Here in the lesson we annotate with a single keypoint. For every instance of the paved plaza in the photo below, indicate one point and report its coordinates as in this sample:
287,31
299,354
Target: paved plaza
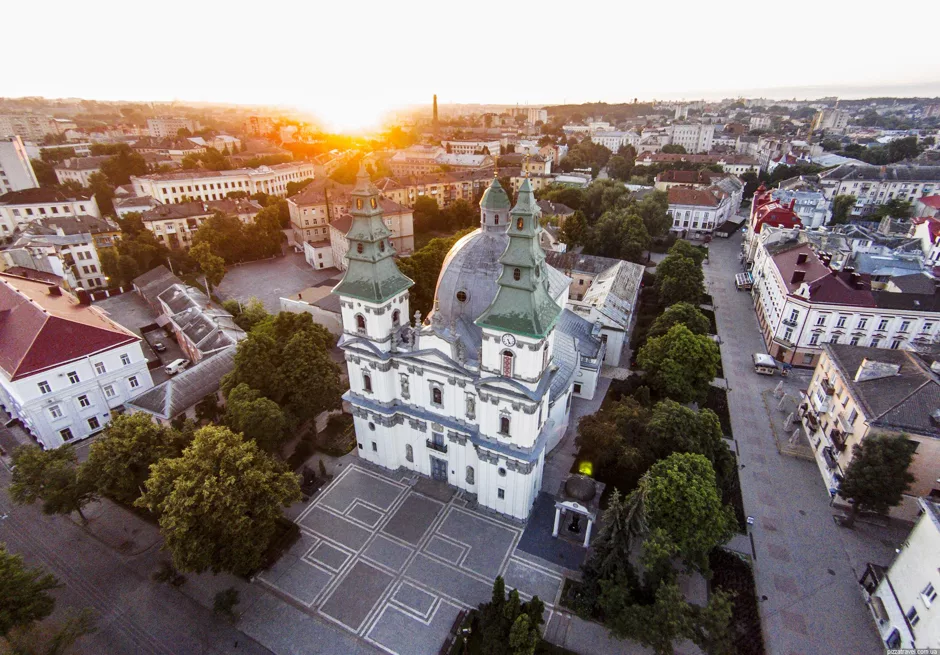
271,279
395,566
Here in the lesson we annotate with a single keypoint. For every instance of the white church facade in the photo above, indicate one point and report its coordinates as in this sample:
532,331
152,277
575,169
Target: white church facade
480,390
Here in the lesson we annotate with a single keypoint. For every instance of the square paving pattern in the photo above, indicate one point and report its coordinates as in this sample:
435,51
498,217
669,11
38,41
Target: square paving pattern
394,566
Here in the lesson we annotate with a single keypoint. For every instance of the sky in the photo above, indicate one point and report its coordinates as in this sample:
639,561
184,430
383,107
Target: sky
350,61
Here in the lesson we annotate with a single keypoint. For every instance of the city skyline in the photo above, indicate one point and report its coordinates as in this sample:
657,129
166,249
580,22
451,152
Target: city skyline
351,75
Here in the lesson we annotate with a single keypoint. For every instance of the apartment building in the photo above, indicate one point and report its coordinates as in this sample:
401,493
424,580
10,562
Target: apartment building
184,186
445,188
858,391
79,169
903,597
423,160
20,207
614,140
472,147
64,365
733,164
802,304
876,185
831,120
760,123
176,224
29,127
694,137
16,171
163,127
696,212
813,208
397,218
314,208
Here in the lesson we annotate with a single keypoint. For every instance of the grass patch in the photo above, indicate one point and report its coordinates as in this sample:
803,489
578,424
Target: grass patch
712,325
733,574
338,438
285,534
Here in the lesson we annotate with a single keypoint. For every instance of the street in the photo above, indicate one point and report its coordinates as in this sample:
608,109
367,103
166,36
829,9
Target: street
806,567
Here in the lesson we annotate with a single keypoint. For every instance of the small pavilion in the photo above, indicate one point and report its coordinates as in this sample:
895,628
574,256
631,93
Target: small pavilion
579,495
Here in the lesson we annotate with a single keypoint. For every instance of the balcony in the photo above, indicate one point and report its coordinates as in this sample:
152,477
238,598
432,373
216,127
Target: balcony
820,406
439,447
837,437
830,458
789,321
827,386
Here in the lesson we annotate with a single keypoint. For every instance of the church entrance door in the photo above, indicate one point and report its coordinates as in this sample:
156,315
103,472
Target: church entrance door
439,469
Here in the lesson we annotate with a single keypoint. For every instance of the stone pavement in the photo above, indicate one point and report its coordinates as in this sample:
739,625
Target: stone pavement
806,568
271,279
393,566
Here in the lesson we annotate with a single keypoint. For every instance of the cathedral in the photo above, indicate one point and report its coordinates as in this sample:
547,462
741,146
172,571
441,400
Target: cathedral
479,391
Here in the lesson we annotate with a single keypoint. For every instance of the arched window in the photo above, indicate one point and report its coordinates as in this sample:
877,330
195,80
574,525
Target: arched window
359,248
382,245
367,382
507,363
504,425
437,396
396,317
516,274
519,223
409,453
497,219
471,476
360,323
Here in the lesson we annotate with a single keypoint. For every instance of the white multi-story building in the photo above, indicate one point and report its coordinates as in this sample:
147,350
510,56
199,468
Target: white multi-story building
67,246
472,147
68,367
802,304
16,171
79,169
184,186
161,128
876,185
476,394
614,140
29,127
20,207
760,123
694,137
696,212
813,208
832,120
903,598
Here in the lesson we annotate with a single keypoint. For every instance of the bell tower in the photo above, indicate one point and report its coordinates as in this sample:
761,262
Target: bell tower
373,292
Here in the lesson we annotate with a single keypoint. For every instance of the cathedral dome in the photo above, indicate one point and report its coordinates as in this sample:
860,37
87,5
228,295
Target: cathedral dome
467,283
495,197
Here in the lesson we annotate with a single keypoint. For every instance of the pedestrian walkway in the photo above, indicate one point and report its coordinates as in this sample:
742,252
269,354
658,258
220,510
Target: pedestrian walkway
806,568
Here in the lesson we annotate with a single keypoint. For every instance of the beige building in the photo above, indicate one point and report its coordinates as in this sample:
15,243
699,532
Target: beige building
856,391
176,224
199,184
314,208
79,169
445,188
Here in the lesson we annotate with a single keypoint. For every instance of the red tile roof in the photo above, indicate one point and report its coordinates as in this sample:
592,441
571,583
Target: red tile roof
39,331
931,201
825,285
679,195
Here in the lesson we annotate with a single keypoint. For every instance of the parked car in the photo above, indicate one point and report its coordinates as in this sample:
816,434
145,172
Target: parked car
764,364
176,366
159,346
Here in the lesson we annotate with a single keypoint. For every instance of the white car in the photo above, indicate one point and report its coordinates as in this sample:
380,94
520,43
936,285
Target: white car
176,366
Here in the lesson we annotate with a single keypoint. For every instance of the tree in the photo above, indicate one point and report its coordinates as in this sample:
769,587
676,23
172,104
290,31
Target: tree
605,437
45,173
119,462
574,229
509,626
522,638
680,313
895,208
219,501
652,209
426,214
256,417
54,639
24,593
679,279
673,149
619,168
878,475
247,315
286,358
841,207
295,187
104,193
620,235
680,364
211,265
685,249
122,165
682,503
51,477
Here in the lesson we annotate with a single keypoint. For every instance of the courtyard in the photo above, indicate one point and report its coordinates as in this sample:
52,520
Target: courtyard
272,279
393,558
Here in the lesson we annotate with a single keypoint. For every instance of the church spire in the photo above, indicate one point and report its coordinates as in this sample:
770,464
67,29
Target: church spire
371,272
522,304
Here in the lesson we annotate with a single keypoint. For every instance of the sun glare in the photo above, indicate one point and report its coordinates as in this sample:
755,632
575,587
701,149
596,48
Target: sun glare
347,115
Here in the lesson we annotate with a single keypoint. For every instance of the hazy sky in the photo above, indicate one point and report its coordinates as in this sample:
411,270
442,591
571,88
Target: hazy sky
349,60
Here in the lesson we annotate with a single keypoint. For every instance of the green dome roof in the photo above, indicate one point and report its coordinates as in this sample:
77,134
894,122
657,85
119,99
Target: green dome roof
495,197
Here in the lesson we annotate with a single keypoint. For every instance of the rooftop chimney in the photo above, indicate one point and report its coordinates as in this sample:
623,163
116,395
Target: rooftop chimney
801,258
54,290
84,298
798,277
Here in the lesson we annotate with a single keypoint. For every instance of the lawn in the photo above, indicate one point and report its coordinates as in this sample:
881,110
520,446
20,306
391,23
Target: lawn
732,574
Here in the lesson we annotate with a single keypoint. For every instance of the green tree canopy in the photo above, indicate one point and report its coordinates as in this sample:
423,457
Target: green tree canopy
427,214
247,315
218,503
877,475
119,461
680,364
682,248
652,209
508,626
24,592
682,502
212,266
286,358
574,230
673,149
51,477
841,209
124,163
620,235
679,279
683,313
256,417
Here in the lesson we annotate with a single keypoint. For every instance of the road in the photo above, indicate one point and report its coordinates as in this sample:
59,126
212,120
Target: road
135,615
806,568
